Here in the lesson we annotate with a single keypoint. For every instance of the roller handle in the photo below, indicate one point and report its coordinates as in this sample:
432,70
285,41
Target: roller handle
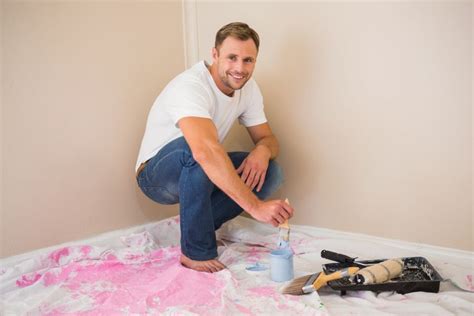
338,257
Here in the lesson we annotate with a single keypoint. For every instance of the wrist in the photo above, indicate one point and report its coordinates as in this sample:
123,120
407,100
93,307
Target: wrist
265,150
253,205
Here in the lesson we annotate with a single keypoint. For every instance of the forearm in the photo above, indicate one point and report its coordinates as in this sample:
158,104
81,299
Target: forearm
217,165
270,143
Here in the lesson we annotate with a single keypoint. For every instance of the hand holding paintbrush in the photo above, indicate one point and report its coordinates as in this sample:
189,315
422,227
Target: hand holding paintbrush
284,233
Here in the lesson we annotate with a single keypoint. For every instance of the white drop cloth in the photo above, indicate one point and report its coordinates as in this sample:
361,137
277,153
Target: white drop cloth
136,271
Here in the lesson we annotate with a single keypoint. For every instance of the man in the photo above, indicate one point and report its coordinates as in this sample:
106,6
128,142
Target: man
182,160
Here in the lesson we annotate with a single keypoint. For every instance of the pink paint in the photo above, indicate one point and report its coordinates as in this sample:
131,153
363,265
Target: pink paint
243,309
153,285
85,250
469,282
110,257
56,255
263,291
256,253
27,280
58,275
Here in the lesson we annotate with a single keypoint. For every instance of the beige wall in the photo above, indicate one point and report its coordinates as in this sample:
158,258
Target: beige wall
78,81
1,133
372,103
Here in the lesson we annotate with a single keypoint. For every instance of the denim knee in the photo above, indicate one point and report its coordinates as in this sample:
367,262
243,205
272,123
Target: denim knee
273,180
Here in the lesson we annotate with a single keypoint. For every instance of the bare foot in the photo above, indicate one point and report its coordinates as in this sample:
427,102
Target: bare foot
202,266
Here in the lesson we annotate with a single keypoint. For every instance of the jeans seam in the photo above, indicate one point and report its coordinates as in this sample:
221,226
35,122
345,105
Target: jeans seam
184,248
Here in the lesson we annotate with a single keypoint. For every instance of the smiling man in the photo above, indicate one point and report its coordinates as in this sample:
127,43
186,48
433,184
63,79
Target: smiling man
182,159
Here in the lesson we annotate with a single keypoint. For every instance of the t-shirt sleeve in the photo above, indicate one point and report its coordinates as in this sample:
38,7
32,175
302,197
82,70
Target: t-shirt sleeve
254,112
187,100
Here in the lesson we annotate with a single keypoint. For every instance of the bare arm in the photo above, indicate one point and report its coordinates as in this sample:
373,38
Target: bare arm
201,135
254,168
262,135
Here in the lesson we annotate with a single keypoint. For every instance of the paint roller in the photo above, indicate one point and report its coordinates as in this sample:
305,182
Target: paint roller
380,272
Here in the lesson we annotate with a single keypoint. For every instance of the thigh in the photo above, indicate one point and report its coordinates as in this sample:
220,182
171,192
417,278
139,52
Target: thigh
159,180
237,157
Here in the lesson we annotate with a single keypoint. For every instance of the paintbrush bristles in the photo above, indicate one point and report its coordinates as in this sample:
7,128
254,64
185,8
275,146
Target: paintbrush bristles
296,286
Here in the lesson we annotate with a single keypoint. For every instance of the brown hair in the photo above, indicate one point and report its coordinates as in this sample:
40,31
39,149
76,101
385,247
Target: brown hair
238,30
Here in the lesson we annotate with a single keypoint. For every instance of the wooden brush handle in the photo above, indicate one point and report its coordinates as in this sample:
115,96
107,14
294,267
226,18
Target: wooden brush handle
342,273
285,224
323,279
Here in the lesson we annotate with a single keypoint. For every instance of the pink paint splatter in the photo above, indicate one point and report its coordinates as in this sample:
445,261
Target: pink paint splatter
469,281
56,255
153,286
263,291
27,280
255,253
243,309
85,250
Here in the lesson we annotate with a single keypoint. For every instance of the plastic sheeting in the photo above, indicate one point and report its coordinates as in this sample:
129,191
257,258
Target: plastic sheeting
137,271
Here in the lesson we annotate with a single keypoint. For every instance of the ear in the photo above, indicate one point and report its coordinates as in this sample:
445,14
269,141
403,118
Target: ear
215,54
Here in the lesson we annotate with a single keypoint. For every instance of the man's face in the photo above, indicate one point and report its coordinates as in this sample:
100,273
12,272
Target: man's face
235,61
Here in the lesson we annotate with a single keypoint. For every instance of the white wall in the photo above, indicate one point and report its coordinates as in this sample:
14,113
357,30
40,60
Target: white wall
372,103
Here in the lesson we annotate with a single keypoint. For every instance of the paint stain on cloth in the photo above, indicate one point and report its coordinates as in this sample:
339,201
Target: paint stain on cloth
155,285
140,273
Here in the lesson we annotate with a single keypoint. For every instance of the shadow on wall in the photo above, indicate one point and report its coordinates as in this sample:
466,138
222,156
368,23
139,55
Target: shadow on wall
285,86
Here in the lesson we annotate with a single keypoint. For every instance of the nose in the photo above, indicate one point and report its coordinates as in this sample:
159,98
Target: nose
239,66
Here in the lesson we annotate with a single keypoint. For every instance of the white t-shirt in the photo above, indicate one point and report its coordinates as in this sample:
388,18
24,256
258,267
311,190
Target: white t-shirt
194,93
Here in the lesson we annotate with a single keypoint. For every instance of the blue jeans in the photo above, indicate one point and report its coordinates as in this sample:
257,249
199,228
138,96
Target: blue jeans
173,176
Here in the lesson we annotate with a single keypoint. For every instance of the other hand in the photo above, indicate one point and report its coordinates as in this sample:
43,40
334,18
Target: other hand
254,168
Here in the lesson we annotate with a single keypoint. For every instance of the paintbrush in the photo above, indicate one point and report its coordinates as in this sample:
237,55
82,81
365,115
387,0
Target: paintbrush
313,282
284,233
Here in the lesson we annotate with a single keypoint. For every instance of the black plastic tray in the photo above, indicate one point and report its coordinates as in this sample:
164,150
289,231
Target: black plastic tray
417,275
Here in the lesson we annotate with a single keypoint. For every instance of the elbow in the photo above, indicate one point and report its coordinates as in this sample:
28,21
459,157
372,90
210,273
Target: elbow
200,155
205,153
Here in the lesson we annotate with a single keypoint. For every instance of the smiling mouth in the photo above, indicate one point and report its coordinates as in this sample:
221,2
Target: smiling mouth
237,77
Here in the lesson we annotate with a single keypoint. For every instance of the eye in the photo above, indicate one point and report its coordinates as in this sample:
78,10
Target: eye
248,60
233,58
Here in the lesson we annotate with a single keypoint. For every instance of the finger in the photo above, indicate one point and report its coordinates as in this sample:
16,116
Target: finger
274,223
245,174
255,181
288,209
261,181
213,267
250,178
241,167
280,219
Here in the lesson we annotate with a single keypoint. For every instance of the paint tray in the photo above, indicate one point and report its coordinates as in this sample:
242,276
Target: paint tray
417,275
